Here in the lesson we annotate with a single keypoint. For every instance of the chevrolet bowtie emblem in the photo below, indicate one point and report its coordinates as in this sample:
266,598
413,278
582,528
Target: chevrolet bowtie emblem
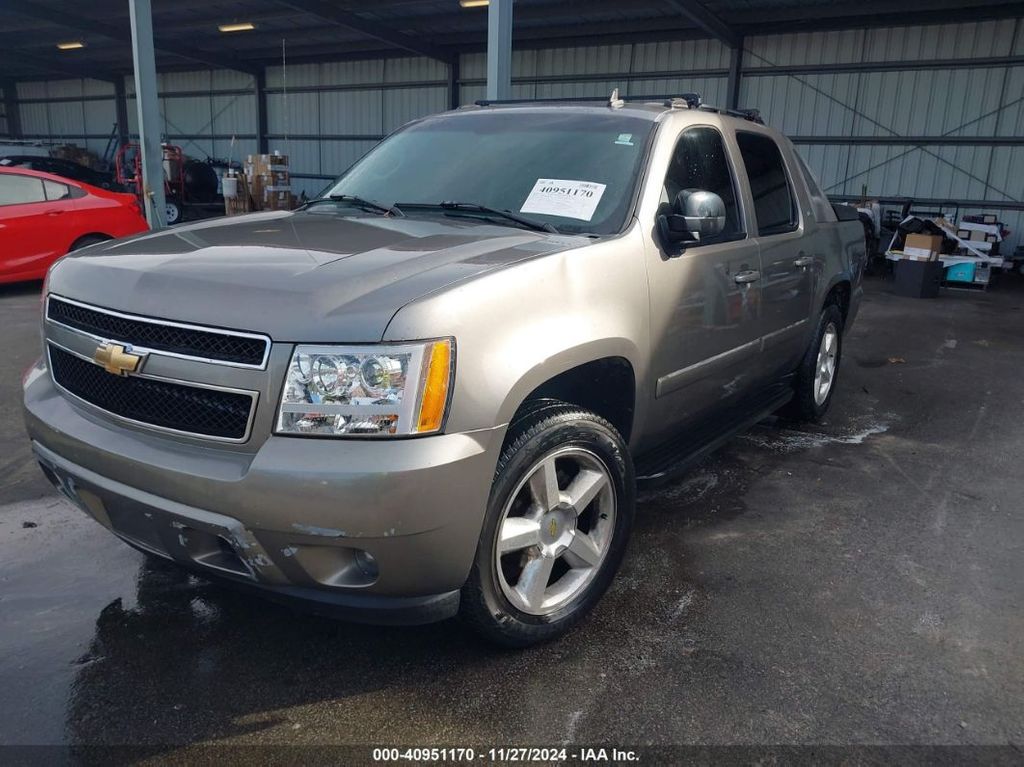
116,359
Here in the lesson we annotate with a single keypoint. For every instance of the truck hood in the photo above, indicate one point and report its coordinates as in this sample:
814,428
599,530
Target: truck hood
306,276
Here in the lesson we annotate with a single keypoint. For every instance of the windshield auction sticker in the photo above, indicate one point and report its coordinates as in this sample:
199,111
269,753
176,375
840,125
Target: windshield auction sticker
568,199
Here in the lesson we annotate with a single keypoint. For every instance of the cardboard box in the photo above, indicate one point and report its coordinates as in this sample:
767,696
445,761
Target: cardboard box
263,164
979,231
277,198
924,247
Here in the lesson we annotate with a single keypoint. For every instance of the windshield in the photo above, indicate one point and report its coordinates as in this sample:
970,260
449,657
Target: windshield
576,171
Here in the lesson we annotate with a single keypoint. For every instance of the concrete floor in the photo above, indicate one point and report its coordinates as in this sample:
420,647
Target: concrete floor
859,582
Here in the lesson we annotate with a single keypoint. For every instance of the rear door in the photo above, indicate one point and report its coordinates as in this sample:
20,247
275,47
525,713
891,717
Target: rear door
65,208
787,263
705,331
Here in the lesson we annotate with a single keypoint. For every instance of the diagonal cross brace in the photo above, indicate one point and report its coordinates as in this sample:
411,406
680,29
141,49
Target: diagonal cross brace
710,22
342,17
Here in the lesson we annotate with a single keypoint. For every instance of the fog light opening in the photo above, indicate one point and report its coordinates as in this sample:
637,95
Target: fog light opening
367,564
50,475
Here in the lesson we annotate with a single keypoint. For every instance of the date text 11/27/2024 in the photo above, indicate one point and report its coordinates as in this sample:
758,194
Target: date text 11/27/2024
505,754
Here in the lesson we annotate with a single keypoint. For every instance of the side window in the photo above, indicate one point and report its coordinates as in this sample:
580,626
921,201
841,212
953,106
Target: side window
819,200
700,162
56,191
19,190
774,204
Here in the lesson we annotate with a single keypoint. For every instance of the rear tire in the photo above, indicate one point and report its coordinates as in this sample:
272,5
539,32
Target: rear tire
818,373
560,512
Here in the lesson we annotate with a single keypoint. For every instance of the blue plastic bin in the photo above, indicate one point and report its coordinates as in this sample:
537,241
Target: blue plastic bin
960,273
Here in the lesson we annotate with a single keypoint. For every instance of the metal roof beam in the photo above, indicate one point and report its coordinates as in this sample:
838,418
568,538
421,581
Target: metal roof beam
14,61
874,13
697,13
346,18
115,32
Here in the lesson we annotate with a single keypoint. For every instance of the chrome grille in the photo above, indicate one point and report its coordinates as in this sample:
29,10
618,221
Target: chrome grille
211,344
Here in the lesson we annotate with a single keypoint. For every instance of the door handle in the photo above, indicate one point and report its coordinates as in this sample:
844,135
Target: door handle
804,261
55,213
748,276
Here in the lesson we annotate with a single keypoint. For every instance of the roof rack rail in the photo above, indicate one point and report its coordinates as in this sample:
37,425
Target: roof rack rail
753,115
689,100
575,99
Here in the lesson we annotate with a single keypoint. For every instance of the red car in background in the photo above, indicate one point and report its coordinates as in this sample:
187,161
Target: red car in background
43,216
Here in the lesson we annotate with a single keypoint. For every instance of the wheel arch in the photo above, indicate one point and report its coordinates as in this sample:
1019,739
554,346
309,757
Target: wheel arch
599,377
98,236
840,293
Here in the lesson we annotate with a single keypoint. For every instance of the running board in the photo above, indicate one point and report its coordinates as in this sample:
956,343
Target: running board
675,457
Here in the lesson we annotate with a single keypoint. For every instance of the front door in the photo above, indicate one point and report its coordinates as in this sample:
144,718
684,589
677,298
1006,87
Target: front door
705,301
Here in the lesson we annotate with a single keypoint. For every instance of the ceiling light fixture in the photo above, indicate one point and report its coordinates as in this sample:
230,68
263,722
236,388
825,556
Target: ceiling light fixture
474,3
243,26
71,46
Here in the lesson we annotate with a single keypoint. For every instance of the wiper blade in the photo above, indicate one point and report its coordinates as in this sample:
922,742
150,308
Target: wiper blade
472,207
360,202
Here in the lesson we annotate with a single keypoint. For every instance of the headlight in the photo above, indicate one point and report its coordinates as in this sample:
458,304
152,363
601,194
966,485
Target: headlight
367,390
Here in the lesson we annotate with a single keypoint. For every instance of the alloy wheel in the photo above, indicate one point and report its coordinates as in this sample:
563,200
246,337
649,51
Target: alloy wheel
825,372
555,530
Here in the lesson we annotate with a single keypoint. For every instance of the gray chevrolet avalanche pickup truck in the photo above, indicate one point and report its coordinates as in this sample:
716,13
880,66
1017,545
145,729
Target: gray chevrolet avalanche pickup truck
434,389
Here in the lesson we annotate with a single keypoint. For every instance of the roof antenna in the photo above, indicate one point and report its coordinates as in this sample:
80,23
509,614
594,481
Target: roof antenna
614,101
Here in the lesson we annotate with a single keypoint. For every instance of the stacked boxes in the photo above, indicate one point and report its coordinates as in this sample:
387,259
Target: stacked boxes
270,182
984,236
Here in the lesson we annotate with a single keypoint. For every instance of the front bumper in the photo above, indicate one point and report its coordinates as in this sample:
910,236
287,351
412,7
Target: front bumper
295,519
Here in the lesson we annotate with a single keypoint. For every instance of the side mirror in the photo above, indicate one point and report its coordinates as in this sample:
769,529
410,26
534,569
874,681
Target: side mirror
696,215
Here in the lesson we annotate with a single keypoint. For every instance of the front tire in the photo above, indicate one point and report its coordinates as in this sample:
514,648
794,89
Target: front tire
819,370
558,520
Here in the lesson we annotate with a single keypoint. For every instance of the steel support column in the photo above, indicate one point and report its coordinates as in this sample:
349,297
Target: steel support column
735,75
148,105
453,82
262,143
499,49
12,113
121,109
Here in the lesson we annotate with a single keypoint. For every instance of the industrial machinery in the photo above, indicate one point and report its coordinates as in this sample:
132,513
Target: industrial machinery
190,186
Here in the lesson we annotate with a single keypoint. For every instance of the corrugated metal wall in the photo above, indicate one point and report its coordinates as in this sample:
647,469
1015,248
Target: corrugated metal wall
854,101
857,129
659,68
202,111
80,112
326,116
